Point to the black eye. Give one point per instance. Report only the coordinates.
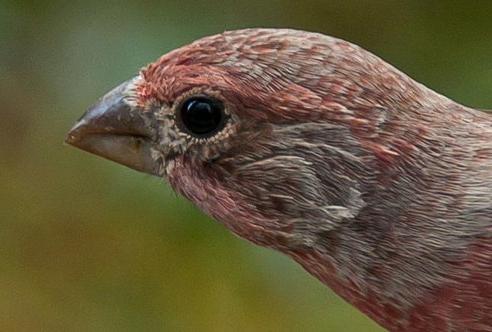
(202, 116)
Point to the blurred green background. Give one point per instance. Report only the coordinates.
(88, 245)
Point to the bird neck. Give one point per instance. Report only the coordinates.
(413, 253)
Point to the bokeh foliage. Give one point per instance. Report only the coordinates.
(87, 245)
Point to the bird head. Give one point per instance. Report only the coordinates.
(271, 132)
(313, 146)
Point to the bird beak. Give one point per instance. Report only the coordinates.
(118, 130)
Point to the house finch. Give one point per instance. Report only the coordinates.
(375, 184)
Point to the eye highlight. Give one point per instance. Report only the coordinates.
(202, 116)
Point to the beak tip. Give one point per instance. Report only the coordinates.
(69, 139)
(74, 134)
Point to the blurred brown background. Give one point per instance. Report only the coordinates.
(88, 245)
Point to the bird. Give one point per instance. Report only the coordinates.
(310, 145)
